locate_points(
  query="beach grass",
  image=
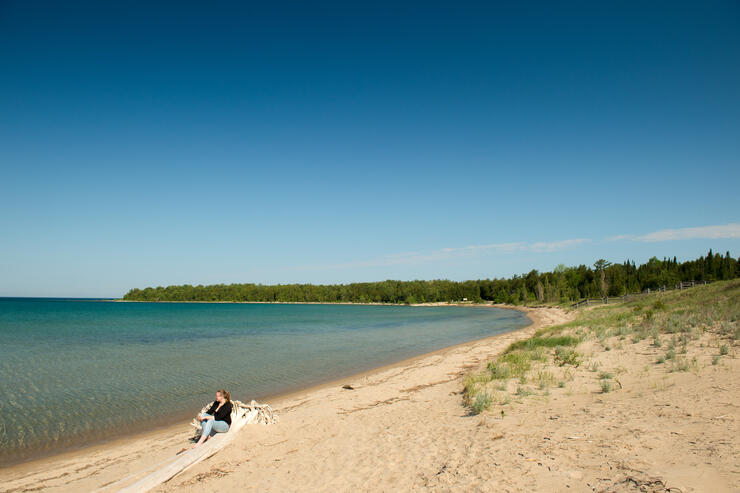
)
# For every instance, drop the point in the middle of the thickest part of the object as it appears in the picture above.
(669, 322)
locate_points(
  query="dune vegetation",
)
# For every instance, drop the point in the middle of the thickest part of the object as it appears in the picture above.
(681, 331)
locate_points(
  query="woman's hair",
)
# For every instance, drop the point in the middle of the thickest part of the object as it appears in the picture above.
(226, 395)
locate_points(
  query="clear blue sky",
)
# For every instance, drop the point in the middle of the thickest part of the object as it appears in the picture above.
(145, 144)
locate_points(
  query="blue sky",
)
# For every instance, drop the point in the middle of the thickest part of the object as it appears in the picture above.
(177, 143)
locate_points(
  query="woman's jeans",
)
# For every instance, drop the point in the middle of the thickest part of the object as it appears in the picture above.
(211, 426)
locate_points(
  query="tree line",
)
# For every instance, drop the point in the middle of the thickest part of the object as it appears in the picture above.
(562, 284)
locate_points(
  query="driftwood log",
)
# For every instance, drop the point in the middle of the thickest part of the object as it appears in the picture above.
(242, 414)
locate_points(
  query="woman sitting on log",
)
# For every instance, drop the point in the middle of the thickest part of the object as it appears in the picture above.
(217, 419)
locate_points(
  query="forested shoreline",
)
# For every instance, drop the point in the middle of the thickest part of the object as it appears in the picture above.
(562, 284)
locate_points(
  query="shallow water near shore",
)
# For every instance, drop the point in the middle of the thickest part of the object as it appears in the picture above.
(75, 372)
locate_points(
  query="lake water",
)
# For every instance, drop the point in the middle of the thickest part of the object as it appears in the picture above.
(74, 371)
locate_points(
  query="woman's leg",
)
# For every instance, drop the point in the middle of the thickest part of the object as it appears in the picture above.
(205, 431)
(211, 427)
(219, 427)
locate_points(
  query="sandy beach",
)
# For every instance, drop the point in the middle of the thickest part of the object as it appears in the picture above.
(404, 428)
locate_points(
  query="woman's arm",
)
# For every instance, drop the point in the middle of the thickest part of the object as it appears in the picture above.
(223, 412)
(212, 408)
(210, 411)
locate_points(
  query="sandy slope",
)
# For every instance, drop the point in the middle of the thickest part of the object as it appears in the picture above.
(404, 429)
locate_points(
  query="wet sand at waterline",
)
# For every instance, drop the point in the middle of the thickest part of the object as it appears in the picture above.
(403, 428)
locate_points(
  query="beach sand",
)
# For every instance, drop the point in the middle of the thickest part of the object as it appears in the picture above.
(403, 428)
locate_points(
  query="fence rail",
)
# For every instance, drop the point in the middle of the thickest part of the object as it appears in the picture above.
(626, 297)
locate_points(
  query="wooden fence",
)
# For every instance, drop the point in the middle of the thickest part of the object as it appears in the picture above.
(631, 296)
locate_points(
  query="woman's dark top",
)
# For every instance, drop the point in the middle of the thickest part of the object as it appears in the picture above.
(223, 414)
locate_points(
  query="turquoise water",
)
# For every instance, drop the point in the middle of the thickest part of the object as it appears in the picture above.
(76, 371)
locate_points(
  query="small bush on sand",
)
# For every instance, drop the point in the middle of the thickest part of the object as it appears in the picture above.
(472, 386)
(567, 356)
(672, 344)
(715, 359)
(481, 403)
(620, 331)
(724, 350)
(606, 386)
(639, 335)
(545, 379)
(499, 371)
(680, 364)
(519, 362)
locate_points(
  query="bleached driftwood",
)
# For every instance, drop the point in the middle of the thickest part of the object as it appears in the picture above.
(265, 415)
(242, 414)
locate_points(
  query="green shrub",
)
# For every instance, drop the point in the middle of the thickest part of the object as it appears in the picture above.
(606, 386)
(521, 391)
(659, 305)
(545, 379)
(499, 371)
(481, 403)
(638, 336)
(535, 342)
(471, 386)
(539, 354)
(680, 364)
(567, 356)
(723, 350)
(620, 331)
(519, 362)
